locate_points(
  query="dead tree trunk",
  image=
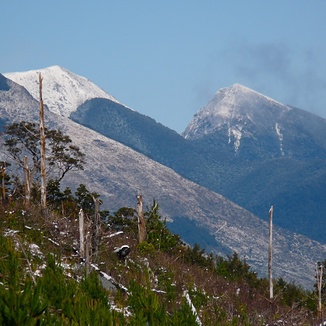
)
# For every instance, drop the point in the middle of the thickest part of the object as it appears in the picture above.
(87, 253)
(270, 253)
(319, 277)
(27, 183)
(96, 227)
(3, 186)
(81, 234)
(141, 219)
(42, 139)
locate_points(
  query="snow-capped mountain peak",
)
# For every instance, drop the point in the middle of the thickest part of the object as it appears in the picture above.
(249, 124)
(233, 106)
(63, 91)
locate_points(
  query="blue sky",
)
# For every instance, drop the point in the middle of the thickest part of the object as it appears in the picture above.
(167, 59)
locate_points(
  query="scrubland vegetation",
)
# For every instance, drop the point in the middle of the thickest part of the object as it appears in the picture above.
(162, 281)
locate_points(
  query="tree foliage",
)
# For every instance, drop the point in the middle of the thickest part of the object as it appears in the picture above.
(157, 232)
(234, 268)
(21, 302)
(22, 139)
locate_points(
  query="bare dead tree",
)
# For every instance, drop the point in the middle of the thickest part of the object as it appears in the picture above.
(27, 183)
(3, 186)
(96, 226)
(319, 277)
(87, 253)
(42, 140)
(270, 253)
(81, 234)
(141, 219)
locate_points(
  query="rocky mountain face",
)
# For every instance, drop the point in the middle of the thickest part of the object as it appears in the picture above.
(118, 173)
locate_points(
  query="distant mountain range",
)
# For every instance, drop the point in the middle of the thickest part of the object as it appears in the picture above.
(247, 147)
(211, 153)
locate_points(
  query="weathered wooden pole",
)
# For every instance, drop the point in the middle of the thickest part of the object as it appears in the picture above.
(87, 253)
(27, 183)
(3, 186)
(81, 234)
(141, 219)
(270, 253)
(42, 140)
(96, 227)
(319, 277)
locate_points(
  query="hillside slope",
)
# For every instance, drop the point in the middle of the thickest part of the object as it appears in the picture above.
(141, 133)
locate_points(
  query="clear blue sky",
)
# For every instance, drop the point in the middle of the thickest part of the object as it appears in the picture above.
(166, 59)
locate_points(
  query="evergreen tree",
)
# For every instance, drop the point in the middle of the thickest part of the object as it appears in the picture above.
(157, 231)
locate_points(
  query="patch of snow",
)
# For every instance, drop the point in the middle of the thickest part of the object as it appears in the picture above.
(65, 266)
(35, 250)
(236, 132)
(52, 241)
(193, 309)
(112, 280)
(125, 311)
(114, 234)
(280, 137)
(10, 233)
(95, 267)
(120, 248)
(38, 272)
(158, 291)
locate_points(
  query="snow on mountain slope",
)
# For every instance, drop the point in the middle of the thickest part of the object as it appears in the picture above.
(63, 91)
(15, 101)
(251, 125)
(237, 104)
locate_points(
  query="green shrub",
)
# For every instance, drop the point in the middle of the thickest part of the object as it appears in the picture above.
(145, 248)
